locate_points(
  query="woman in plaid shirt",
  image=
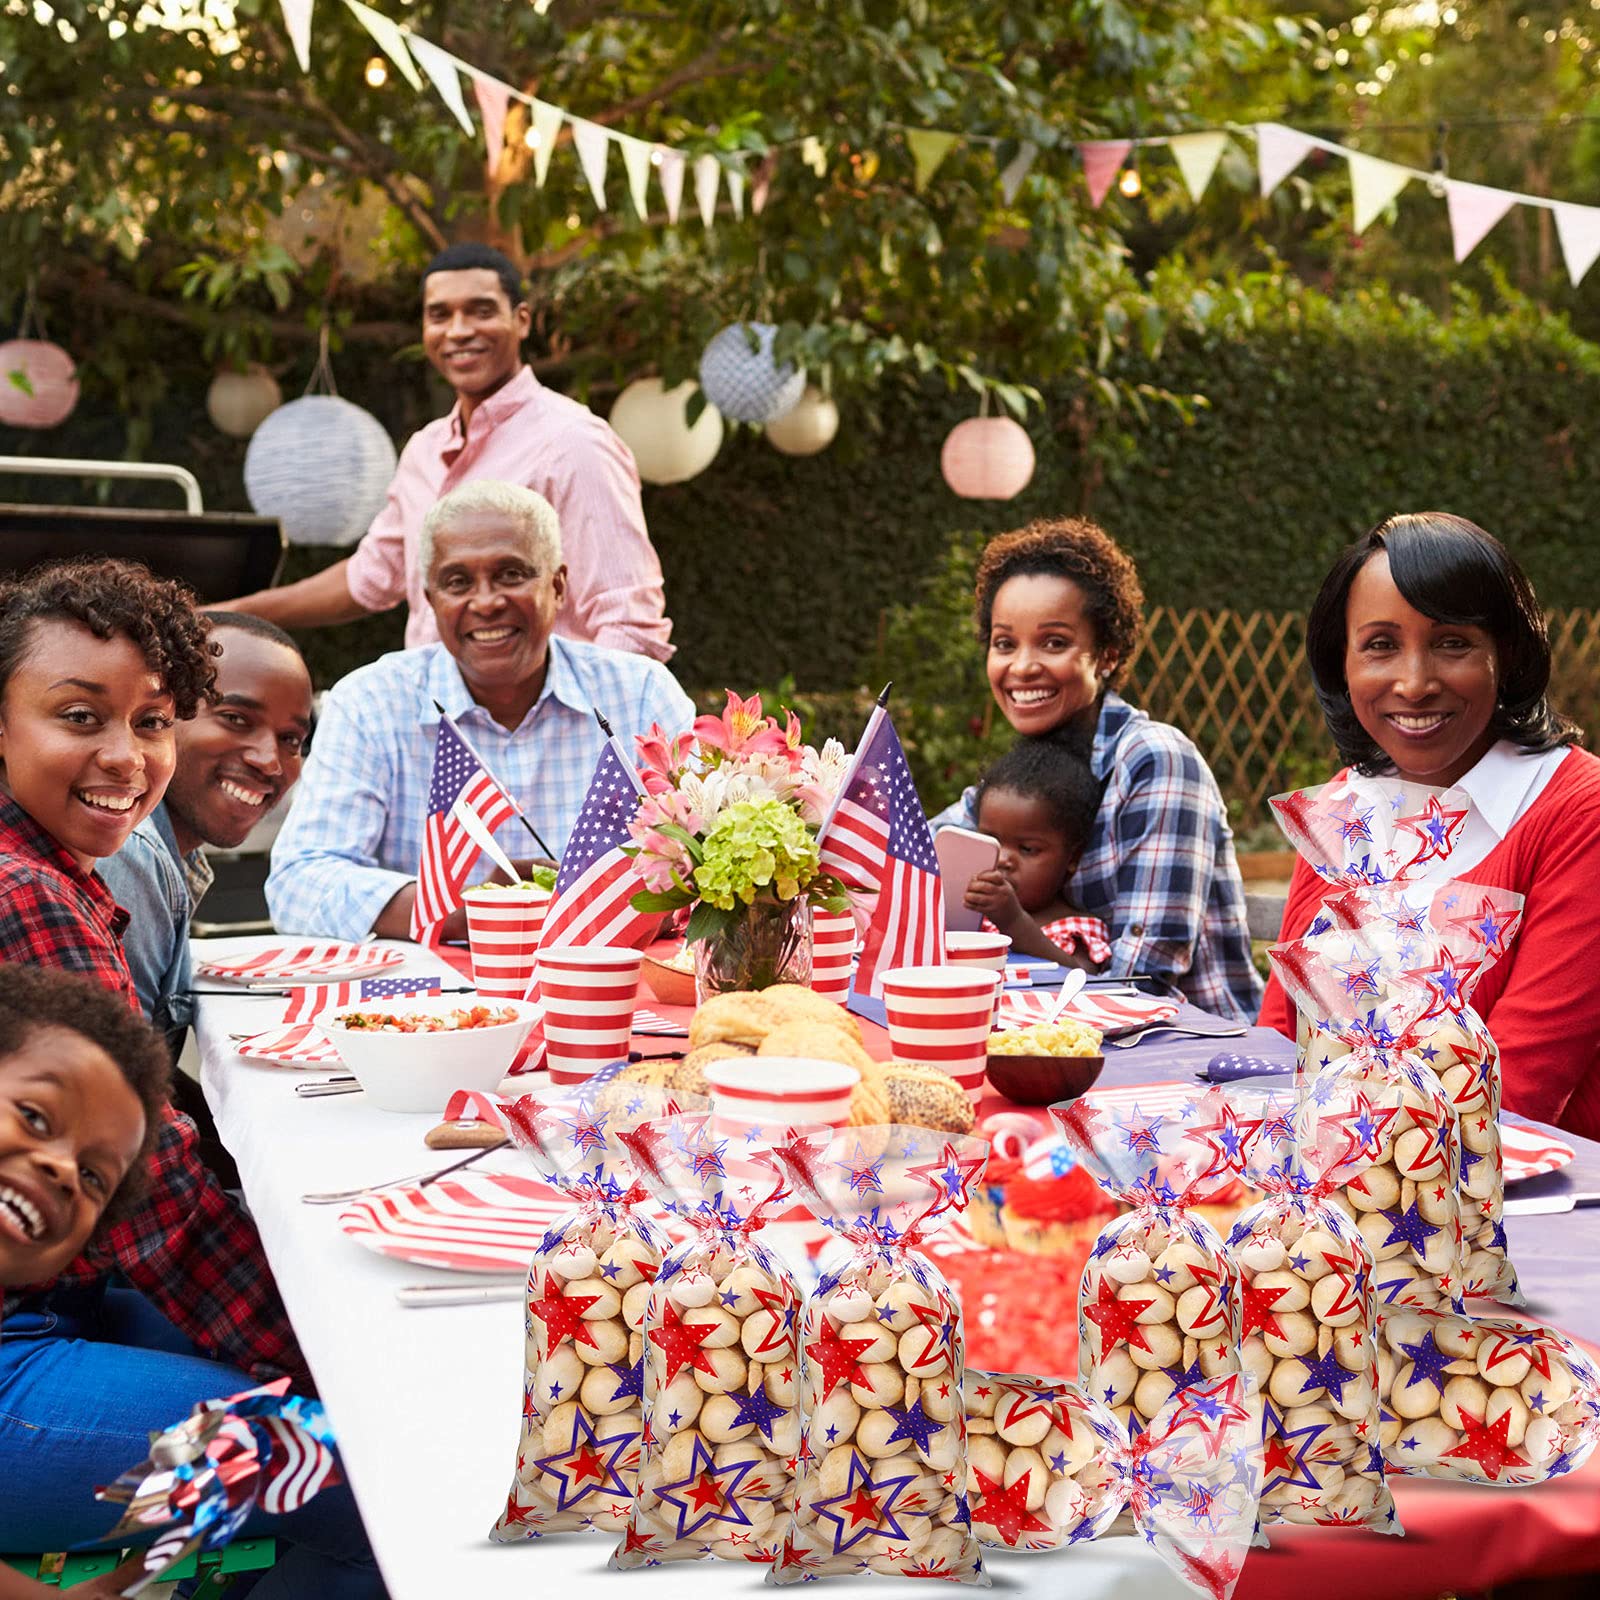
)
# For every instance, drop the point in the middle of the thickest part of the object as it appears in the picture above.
(1059, 611)
(97, 660)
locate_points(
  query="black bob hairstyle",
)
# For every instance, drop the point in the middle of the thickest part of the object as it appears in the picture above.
(1451, 570)
(469, 256)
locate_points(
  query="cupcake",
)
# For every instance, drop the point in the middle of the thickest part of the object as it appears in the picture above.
(1053, 1207)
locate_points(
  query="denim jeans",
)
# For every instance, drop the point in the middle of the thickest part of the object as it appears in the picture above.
(82, 1383)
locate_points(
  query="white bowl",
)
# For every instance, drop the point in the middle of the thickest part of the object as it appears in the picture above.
(420, 1071)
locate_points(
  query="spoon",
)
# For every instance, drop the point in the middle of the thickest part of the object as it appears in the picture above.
(1071, 988)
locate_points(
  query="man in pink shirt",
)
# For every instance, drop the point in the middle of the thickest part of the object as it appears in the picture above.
(507, 426)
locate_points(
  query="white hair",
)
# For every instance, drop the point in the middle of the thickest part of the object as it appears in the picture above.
(528, 513)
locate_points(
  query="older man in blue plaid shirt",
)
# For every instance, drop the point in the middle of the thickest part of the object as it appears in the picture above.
(345, 864)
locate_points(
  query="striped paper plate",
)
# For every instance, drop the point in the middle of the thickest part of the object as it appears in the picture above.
(297, 1044)
(281, 962)
(479, 1222)
(652, 1022)
(1526, 1152)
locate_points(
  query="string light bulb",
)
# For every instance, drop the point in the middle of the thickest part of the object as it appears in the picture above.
(1130, 185)
(531, 137)
(377, 73)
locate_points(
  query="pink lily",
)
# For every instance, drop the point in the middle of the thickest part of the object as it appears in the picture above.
(741, 729)
(663, 757)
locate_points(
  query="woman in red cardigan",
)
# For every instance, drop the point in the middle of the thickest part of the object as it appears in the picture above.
(1430, 658)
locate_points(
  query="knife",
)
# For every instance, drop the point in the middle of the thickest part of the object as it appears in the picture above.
(1549, 1205)
(419, 1295)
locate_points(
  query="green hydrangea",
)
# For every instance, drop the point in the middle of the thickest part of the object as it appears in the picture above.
(756, 847)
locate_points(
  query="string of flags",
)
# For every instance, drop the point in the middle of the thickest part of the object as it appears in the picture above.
(1474, 209)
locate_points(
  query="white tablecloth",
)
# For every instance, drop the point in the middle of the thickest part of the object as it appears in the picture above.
(426, 1404)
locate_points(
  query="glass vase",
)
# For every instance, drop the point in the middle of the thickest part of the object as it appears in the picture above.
(768, 943)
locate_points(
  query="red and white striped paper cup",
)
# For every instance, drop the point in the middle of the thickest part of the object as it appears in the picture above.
(782, 1089)
(943, 1015)
(833, 953)
(984, 950)
(590, 992)
(503, 927)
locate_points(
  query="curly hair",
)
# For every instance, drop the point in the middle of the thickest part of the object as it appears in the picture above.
(36, 998)
(108, 598)
(1083, 553)
(1449, 569)
(1058, 776)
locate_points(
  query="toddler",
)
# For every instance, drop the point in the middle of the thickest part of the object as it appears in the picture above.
(1039, 800)
(82, 1082)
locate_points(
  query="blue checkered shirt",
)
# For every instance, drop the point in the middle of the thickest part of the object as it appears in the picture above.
(353, 838)
(1159, 866)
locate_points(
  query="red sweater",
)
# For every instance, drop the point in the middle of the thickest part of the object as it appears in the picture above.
(1542, 1003)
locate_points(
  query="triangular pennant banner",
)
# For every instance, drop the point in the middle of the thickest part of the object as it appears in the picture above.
(547, 120)
(1279, 150)
(1016, 169)
(1578, 228)
(928, 148)
(1474, 210)
(388, 39)
(1373, 184)
(445, 72)
(1102, 161)
(636, 159)
(707, 178)
(297, 19)
(814, 156)
(736, 191)
(1197, 155)
(594, 144)
(670, 176)
(493, 98)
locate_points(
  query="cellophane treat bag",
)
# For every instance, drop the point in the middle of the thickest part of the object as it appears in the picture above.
(1307, 1314)
(1491, 1401)
(882, 1469)
(1158, 1305)
(1406, 1203)
(1189, 1481)
(1447, 936)
(588, 1286)
(721, 1369)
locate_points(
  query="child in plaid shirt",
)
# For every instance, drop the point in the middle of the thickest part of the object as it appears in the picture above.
(1039, 800)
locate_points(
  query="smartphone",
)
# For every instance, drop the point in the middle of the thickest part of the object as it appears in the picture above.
(962, 854)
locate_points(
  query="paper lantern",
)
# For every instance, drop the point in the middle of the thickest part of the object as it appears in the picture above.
(987, 458)
(38, 383)
(745, 384)
(650, 421)
(322, 467)
(809, 428)
(239, 402)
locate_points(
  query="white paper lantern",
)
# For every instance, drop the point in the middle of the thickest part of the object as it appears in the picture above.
(745, 384)
(239, 402)
(987, 458)
(650, 420)
(808, 429)
(38, 383)
(322, 467)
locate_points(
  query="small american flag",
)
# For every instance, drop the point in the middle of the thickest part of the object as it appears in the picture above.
(314, 999)
(878, 842)
(597, 880)
(460, 786)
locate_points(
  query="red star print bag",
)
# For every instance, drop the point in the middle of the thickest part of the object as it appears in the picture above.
(721, 1371)
(1308, 1317)
(882, 1467)
(588, 1282)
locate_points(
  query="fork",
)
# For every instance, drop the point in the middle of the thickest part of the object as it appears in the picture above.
(1126, 1040)
(422, 1180)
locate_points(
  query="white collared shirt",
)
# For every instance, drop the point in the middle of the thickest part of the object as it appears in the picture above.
(1502, 788)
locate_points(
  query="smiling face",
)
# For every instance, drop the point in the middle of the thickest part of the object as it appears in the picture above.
(1424, 691)
(70, 1127)
(470, 330)
(86, 737)
(239, 756)
(493, 604)
(1044, 662)
(1033, 853)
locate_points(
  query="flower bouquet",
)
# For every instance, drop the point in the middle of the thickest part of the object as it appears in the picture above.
(728, 827)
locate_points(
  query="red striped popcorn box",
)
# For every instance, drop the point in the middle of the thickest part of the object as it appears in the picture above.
(833, 953)
(503, 927)
(783, 1089)
(942, 1015)
(590, 992)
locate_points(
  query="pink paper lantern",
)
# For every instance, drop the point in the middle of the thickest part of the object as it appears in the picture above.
(987, 458)
(38, 383)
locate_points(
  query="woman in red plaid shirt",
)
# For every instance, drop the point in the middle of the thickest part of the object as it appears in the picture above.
(176, 1303)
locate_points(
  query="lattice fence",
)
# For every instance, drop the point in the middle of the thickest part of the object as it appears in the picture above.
(1238, 685)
